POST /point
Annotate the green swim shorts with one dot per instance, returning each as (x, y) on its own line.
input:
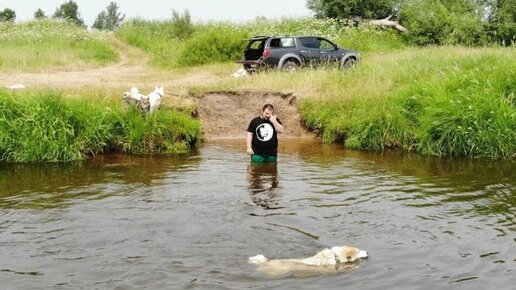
(255, 158)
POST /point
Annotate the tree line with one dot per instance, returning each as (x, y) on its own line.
(422, 22)
(466, 22)
(109, 19)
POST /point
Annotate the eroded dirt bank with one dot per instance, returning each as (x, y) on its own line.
(227, 114)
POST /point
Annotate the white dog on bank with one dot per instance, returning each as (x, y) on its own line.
(133, 96)
(327, 261)
(151, 102)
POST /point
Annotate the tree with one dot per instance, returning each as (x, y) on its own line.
(502, 21)
(109, 19)
(443, 22)
(39, 14)
(69, 11)
(7, 15)
(348, 9)
(374, 12)
(182, 26)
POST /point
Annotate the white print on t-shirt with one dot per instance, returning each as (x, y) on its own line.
(264, 132)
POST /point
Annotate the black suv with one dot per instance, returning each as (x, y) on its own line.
(293, 52)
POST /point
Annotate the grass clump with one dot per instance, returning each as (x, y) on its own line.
(50, 127)
(50, 43)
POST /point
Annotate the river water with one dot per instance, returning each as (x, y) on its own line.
(191, 221)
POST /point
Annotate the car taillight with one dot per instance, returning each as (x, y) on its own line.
(266, 53)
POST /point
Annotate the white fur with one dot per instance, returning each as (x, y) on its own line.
(326, 261)
(153, 100)
(133, 96)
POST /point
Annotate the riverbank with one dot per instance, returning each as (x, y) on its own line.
(446, 101)
(48, 127)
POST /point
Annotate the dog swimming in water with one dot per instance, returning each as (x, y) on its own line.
(327, 261)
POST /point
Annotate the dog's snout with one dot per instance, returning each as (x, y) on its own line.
(363, 254)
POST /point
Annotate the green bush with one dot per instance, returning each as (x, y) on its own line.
(213, 44)
(182, 26)
(442, 22)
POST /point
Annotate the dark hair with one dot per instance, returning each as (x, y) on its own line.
(268, 106)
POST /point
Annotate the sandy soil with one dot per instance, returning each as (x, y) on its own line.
(223, 114)
(227, 114)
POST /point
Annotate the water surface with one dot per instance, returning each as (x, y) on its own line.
(191, 221)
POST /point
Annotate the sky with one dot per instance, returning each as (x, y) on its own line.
(200, 10)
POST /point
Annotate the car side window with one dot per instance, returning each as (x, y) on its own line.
(288, 42)
(309, 42)
(325, 44)
(275, 42)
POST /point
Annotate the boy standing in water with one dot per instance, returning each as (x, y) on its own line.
(262, 139)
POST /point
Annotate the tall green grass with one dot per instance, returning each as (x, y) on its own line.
(458, 102)
(159, 38)
(51, 43)
(219, 42)
(50, 127)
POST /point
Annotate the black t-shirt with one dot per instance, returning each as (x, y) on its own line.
(265, 137)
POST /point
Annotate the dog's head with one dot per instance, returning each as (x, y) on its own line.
(348, 254)
(144, 104)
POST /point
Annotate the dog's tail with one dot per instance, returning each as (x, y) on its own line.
(257, 260)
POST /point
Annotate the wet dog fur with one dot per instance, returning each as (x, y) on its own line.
(327, 261)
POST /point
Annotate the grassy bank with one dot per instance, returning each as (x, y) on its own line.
(44, 44)
(447, 101)
(50, 127)
(458, 102)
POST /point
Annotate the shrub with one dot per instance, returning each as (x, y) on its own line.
(442, 22)
(215, 43)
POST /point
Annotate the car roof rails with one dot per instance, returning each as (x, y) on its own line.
(259, 37)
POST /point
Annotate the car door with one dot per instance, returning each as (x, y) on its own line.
(328, 51)
(309, 50)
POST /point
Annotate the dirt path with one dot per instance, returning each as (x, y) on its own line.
(131, 70)
(223, 114)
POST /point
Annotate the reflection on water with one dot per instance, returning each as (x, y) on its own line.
(190, 221)
(263, 181)
(50, 185)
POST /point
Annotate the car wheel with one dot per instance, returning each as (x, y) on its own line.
(290, 66)
(349, 63)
